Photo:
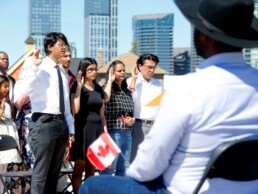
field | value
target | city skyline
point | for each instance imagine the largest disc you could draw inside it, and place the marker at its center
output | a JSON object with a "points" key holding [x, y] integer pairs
{"points": [[43, 18], [14, 24], [153, 33], [100, 29]]}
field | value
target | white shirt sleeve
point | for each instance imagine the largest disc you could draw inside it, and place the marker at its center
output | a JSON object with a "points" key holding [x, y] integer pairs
{"points": [[155, 152], [29, 76]]}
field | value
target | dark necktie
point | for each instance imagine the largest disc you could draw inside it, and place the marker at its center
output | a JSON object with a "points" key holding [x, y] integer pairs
{"points": [[61, 91]]}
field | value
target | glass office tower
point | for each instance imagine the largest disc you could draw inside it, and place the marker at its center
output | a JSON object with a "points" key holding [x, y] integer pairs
{"points": [[100, 28], [44, 17], [251, 55], [154, 34]]}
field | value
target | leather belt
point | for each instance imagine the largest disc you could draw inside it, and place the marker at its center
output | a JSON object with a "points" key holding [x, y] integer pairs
{"points": [[145, 122], [37, 115]]}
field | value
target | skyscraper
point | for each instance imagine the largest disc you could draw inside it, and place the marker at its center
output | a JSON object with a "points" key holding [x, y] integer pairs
{"points": [[154, 34], [44, 17], [100, 28], [195, 59], [182, 63], [251, 55]]}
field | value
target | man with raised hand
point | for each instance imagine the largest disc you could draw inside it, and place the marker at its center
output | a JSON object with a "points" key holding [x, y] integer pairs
{"points": [[52, 122]]}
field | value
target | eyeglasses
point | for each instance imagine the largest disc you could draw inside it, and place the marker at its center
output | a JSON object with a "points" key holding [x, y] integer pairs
{"points": [[63, 46], [150, 67], [92, 69]]}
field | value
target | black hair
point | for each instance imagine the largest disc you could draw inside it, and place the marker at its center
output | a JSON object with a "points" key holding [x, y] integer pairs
{"points": [[3, 78], [220, 46], [51, 39], [2, 52], [84, 64], [115, 86], [146, 56]]}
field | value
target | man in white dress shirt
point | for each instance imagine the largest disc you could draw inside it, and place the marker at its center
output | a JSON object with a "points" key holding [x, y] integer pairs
{"points": [[218, 103], [145, 89], [52, 122]]}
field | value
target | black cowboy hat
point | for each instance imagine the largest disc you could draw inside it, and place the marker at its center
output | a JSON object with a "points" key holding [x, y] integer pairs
{"points": [[228, 21]]}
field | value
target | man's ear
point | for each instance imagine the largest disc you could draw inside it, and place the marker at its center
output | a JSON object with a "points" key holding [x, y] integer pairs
{"points": [[138, 67], [203, 37]]}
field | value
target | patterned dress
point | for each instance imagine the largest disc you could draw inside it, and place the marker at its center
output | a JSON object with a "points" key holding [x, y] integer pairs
{"points": [[22, 121], [7, 127]]}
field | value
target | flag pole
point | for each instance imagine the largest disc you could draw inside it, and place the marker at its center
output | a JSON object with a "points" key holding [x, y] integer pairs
{"points": [[125, 158]]}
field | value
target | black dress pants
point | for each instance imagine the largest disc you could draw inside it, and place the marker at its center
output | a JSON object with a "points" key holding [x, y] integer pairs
{"points": [[48, 138]]}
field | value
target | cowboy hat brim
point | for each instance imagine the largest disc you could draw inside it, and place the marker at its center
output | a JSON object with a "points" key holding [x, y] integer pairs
{"points": [[189, 8]]}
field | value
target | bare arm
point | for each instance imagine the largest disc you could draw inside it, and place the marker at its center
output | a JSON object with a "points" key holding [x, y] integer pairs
{"points": [[108, 88], [102, 117], [75, 98], [134, 78], [2, 108]]}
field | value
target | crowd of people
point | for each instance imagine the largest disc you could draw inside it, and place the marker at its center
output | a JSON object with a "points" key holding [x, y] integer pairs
{"points": [[56, 132], [55, 116]]}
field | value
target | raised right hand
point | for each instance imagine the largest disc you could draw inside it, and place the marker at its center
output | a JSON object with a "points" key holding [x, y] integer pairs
{"points": [[80, 79], [135, 72], [37, 58], [111, 74]]}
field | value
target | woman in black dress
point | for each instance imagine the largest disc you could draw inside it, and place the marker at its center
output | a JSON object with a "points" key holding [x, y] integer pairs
{"points": [[87, 98]]}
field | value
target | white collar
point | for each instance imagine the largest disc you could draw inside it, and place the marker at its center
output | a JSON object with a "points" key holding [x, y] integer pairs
{"points": [[222, 58]]}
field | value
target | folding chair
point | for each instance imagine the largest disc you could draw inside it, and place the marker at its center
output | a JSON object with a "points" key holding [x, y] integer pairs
{"points": [[235, 160], [66, 170], [7, 142]]}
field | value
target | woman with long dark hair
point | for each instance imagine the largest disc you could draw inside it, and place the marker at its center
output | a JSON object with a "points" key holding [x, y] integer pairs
{"points": [[87, 98], [119, 116]]}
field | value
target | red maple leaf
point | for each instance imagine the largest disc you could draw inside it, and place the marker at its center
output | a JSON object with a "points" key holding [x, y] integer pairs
{"points": [[103, 151]]}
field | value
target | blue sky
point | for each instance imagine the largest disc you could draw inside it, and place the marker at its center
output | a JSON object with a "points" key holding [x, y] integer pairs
{"points": [[14, 23]]}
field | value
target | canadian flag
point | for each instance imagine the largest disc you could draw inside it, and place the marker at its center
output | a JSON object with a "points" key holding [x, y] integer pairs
{"points": [[102, 151], [67, 152]]}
